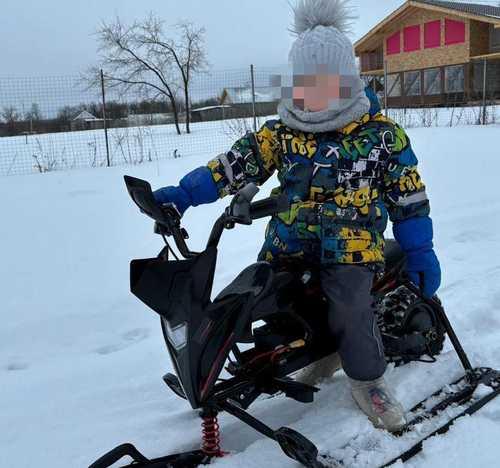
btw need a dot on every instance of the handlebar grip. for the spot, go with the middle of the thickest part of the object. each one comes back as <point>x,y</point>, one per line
<point>248,192</point>
<point>268,207</point>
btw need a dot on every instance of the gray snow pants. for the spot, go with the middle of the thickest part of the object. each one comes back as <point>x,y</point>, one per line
<point>352,320</point>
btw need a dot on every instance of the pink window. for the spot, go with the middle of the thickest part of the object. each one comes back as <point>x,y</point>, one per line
<point>454,32</point>
<point>432,34</point>
<point>394,44</point>
<point>411,36</point>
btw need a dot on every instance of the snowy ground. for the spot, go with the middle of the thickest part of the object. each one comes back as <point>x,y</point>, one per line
<point>129,145</point>
<point>81,359</point>
<point>134,145</point>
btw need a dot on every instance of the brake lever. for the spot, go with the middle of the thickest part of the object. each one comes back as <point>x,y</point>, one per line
<point>172,222</point>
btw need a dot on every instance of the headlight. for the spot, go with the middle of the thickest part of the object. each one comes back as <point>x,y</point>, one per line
<point>177,335</point>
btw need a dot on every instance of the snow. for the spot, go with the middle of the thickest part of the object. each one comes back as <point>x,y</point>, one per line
<point>81,359</point>
<point>142,142</point>
<point>445,116</point>
<point>128,145</point>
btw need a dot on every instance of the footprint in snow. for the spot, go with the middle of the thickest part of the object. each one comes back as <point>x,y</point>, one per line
<point>472,236</point>
<point>17,366</point>
<point>128,339</point>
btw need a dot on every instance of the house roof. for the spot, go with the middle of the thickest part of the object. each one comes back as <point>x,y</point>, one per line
<point>208,108</point>
<point>85,115</point>
<point>475,11</point>
<point>244,95</point>
<point>472,8</point>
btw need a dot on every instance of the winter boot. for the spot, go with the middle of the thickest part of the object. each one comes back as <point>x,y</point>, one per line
<point>377,401</point>
<point>319,370</point>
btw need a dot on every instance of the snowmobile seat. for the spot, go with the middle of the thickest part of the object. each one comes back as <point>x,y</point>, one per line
<point>255,280</point>
<point>258,283</point>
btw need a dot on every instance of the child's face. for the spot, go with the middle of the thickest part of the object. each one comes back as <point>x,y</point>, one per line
<point>315,93</point>
<point>316,88</point>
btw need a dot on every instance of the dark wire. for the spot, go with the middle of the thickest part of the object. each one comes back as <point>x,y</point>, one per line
<point>169,248</point>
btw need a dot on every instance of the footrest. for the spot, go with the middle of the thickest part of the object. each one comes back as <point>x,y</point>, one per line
<point>296,390</point>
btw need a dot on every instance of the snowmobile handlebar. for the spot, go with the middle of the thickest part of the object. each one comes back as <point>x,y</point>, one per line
<point>168,219</point>
<point>243,211</point>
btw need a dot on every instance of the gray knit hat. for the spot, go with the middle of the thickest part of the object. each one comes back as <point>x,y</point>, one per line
<point>322,45</point>
<point>321,27</point>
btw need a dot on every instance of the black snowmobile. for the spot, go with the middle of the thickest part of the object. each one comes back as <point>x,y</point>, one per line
<point>270,322</point>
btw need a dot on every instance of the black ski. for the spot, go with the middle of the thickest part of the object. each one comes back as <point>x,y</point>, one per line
<point>183,460</point>
<point>463,396</point>
<point>475,406</point>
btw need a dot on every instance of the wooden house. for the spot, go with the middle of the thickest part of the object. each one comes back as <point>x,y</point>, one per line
<point>241,101</point>
<point>431,53</point>
<point>86,121</point>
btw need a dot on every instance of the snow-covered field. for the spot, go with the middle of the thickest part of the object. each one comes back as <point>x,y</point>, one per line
<point>81,359</point>
<point>134,145</point>
<point>445,116</point>
<point>130,145</point>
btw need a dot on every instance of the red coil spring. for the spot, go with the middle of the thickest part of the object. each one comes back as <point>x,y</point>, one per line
<point>211,436</point>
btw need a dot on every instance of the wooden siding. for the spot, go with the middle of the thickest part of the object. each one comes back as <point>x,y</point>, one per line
<point>372,60</point>
<point>479,38</point>
<point>427,58</point>
<point>410,9</point>
<point>494,39</point>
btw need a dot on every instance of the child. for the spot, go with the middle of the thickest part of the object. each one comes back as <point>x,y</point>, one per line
<point>342,169</point>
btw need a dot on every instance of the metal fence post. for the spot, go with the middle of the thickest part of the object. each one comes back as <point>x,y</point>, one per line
<point>484,92</point>
<point>252,75</point>
<point>386,105</point>
<point>104,118</point>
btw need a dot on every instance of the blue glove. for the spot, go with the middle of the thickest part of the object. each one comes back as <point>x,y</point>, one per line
<point>196,188</point>
<point>176,195</point>
<point>414,235</point>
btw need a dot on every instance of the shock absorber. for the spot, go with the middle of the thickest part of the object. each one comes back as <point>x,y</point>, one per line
<point>210,433</point>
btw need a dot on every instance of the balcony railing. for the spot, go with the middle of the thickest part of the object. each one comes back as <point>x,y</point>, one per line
<point>371,61</point>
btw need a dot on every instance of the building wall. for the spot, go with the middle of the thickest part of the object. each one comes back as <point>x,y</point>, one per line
<point>479,38</point>
<point>427,58</point>
<point>494,39</point>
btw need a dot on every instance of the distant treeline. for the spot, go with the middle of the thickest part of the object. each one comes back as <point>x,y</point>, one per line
<point>14,123</point>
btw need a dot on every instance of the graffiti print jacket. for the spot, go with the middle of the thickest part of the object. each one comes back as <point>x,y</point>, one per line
<point>340,186</point>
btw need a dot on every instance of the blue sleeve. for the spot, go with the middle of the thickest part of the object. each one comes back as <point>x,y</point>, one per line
<point>374,102</point>
<point>200,186</point>
<point>195,188</point>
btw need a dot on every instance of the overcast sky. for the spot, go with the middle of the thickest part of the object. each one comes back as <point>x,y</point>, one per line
<point>54,37</point>
<point>45,37</point>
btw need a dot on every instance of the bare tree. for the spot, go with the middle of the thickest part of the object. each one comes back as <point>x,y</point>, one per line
<point>186,50</point>
<point>10,116</point>
<point>131,64</point>
<point>33,116</point>
<point>34,113</point>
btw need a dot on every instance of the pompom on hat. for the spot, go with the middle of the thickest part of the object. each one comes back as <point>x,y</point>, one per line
<point>321,27</point>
